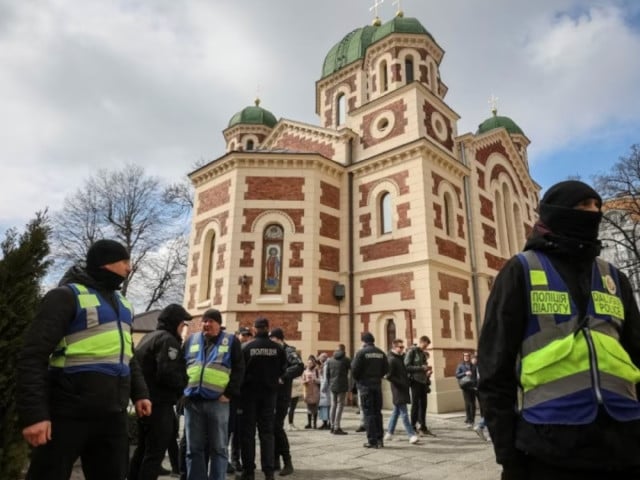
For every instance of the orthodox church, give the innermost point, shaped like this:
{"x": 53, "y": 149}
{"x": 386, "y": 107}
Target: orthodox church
{"x": 382, "y": 218}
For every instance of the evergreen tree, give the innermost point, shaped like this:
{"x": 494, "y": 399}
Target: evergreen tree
{"x": 22, "y": 266}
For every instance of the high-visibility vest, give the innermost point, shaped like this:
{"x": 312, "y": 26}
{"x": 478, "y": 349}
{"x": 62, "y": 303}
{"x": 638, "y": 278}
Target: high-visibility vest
{"x": 208, "y": 377}
{"x": 99, "y": 337}
{"x": 570, "y": 366}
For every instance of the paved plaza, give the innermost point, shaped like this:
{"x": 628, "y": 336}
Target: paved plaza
{"x": 456, "y": 453}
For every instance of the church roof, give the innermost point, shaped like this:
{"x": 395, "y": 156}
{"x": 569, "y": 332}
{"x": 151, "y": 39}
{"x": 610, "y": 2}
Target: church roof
{"x": 354, "y": 45}
{"x": 254, "y": 115}
{"x": 497, "y": 121}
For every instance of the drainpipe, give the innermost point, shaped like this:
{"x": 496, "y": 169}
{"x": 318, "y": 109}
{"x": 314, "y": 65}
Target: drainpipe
{"x": 350, "y": 280}
{"x": 472, "y": 247}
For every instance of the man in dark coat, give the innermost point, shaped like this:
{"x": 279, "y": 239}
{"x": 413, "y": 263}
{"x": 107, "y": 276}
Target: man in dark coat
{"x": 399, "y": 380}
{"x": 165, "y": 371}
{"x": 417, "y": 362}
{"x": 266, "y": 362}
{"x": 369, "y": 367}
{"x": 337, "y": 372}
{"x": 295, "y": 367}
{"x": 76, "y": 372}
{"x": 563, "y": 325}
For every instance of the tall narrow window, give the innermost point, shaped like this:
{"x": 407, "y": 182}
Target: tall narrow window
{"x": 385, "y": 213}
{"x": 391, "y": 333}
{"x": 341, "y": 112}
{"x": 509, "y": 224}
{"x": 408, "y": 68}
{"x": 384, "y": 79}
{"x": 272, "y": 241}
{"x": 249, "y": 145}
{"x": 449, "y": 223}
{"x": 458, "y": 324}
{"x": 208, "y": 266}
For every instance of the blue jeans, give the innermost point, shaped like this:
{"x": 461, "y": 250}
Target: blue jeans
{"x": 400, "y": 410}
{"x": 206, "y": 428}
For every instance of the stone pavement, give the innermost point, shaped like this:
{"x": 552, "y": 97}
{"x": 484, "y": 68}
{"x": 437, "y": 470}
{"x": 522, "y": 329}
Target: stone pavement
{"x": 456, "y": 453}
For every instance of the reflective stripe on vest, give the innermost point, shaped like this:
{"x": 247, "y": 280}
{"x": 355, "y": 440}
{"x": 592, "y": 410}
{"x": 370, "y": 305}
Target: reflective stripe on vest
{"x": 208, "y": 377}
{"x": 569, "y": 367}
{"x": 99, "y": 338}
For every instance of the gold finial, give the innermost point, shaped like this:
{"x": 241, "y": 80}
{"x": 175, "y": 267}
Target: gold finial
{"x": 399, "y": 12}
{"x": 257, "y": 101}
{"x": 376, "y": 21}
{"x": 493, "y": 101}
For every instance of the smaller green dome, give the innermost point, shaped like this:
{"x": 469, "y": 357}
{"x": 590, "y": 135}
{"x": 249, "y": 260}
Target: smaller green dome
{"x": 497, "y": 121}
{"x": 254, "y": 115}
{"x": 399, "y": 24}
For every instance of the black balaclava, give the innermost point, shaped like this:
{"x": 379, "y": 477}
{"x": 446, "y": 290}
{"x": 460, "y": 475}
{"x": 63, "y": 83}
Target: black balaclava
{"x": 558, "y": 214}
{"x": 104, "y": 252}
{"x": 563, "y": 229}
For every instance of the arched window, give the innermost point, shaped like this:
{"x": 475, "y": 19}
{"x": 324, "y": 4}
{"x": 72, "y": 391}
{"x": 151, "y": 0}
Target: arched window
{"x": 408, "y": 68}
{"x": 249, "y": 145}
{"x": 341, "y": 111}
{"x": 384, "y": 79}
{"x": 390, "y": 333}
{"x": 208, "y": 266}
{"x": 449, "y": 215}
{"x": 508, "y": 212}
{"x": 272, "y": 241}
{"x": 385, "y": 213}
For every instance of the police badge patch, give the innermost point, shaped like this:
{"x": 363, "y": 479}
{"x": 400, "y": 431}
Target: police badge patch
{"x": 173, "y": 353}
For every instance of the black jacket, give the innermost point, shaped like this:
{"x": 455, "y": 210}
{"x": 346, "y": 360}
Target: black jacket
{"x": 337, "y": 371}
{"x": 163, "y": 364}
{"x": 369, "y": 366}
{"x": 415, "y": 360}
{"x": 294, "y": 369}
{"x": 265, "y": 362}
{"x": 44, "y": 394}
{"x": 398, "y": 378}
{"x": 602, "y": 445}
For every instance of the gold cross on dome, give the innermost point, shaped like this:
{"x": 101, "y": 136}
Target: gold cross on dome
{"x": 374, "y": 9}
{"x": 493, "y": 101}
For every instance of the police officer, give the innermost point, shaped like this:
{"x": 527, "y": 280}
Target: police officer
{"x": 160, "y": 356}
{"x": 368, "y": 368}
{"x": 549, "y": 332}
{"x": 265, "y": 362}
{"x": 295, "y": 367}
{"x": 76, "y": 374}
{"x": 215, "y": 367}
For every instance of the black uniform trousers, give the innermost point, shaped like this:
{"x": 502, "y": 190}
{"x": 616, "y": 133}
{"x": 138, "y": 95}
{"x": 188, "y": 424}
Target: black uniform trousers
{"x": 281, "y": 440}
{"x": 418, "y": 404}
{"x": 257, "y": 409}
{"x": 101, "y": 442}
{"x": 155, "y": 433}
{"x": 372, "y": 408}
{"x": 234, "y": 430}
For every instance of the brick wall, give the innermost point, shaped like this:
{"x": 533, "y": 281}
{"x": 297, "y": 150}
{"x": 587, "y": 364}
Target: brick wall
{"x": 386, "y": 249}
{"x": 214, "y": 197}
{"x": 274, "y": 188}
{"x": 399, "y": 282}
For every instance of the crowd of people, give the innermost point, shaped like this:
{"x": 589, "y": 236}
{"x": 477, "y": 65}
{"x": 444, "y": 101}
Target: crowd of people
{"x": 557, "y": 379}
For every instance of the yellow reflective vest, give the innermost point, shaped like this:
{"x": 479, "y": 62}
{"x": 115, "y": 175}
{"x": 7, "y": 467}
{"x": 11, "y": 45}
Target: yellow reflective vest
{"x": 570, "y": 366}
{"x": 99, "y": 337}
{"x": 209, "y": 374}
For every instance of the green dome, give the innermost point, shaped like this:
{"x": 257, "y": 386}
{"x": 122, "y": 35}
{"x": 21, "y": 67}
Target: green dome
{"x": 348, "y": 50}
{"x": 354, "y": 45}
{"x": 499, "y": 122}
{"x": 399, "y": 25}
{"x": 254, "y": 115}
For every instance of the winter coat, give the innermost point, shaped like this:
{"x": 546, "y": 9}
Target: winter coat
{"x": 461, "y": 372}
{"x": 44, "y": 393}
{"x": 415, "y": 360}
{"x": 311, "y": 386}
{"x": 325, "y": 394}
{"x": 369, "y": 366}
{"x": 603, "y": 444}
{"x": 337, "y": 372}
{"x": 398, "y": 378}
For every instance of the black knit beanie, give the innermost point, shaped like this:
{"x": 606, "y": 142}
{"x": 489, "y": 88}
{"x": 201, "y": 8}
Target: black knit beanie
{"x": 104, "y": 252}
{"x": 558, "y": 214}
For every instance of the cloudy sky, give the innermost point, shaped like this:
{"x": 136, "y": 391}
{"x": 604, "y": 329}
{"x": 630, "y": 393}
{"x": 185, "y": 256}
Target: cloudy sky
{"x": 90, "y": 84}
